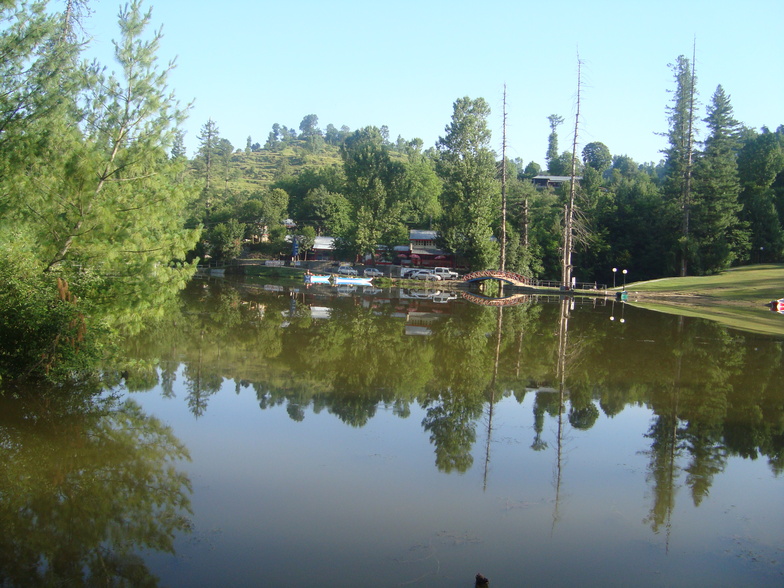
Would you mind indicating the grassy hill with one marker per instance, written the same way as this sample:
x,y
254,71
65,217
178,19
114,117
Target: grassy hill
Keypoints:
x,y
257,170
736,298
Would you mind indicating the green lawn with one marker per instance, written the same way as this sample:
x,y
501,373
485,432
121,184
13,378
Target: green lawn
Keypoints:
x,y
752,284
737,297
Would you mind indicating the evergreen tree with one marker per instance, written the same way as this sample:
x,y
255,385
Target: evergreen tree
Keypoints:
x,y
524,253
178,146
471,196
96,190
562,165
552,142
720,237
223,152
760,162
638,224
90,199
38,78
273,139
679,154
209,141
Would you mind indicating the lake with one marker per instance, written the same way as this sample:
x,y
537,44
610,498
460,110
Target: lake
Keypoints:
x,y
269,435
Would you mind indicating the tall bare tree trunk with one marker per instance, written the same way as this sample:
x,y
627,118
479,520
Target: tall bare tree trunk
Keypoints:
x,y
689,162
568,239
503,191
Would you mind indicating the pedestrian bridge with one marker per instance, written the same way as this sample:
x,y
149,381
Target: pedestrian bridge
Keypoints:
x,y
504,276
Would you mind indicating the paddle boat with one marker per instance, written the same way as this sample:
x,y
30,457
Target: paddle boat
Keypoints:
x,y
316,279
336,280
777,305
346,281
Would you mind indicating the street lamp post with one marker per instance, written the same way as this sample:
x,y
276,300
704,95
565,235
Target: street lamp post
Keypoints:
x,y
624,280
615,271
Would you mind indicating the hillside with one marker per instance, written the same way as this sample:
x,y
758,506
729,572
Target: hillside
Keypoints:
x,y
259,169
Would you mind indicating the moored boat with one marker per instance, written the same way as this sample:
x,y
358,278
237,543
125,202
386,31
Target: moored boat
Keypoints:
x,y
316,279
777,305
340,280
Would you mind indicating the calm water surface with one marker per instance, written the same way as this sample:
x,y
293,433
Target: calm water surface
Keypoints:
x,y
318,437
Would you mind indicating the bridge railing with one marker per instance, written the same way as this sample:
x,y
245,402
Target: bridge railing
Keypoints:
x,y
519,279
578,286
498,274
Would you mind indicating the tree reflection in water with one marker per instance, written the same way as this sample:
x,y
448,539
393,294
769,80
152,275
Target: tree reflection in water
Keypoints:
x,y
714,393
86,484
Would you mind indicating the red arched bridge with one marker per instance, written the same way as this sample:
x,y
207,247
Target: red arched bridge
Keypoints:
x,y
504,276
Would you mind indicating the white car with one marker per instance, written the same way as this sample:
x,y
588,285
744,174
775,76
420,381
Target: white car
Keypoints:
x,y
372,272
346,270
424,275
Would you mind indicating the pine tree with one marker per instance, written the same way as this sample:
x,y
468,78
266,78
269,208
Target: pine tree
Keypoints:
x,y
760,162
471,196
178,150
90,198
551,157
679,155
209,140
719,235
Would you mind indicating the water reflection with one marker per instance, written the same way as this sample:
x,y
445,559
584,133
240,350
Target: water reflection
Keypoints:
x,y
713,390
705,395
86,486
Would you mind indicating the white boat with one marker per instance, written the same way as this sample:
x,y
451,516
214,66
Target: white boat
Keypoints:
x,y
339,280
316,279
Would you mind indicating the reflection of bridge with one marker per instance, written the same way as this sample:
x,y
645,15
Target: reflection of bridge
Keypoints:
x,y
508,277
513,300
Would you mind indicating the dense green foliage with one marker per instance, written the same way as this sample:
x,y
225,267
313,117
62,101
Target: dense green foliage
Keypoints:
x,y
704,207
92,209
374,189
471,196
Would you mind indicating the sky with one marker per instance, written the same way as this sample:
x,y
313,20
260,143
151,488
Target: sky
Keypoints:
x,y
248,64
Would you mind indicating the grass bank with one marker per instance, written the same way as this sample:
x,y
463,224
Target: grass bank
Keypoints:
x,y
736,297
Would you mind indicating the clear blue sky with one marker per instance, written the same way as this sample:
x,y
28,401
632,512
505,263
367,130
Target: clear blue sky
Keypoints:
x,y
250,63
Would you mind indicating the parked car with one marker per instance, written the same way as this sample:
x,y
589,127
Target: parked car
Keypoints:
x,y
371,272
424,275
445,273
347,270
408,273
